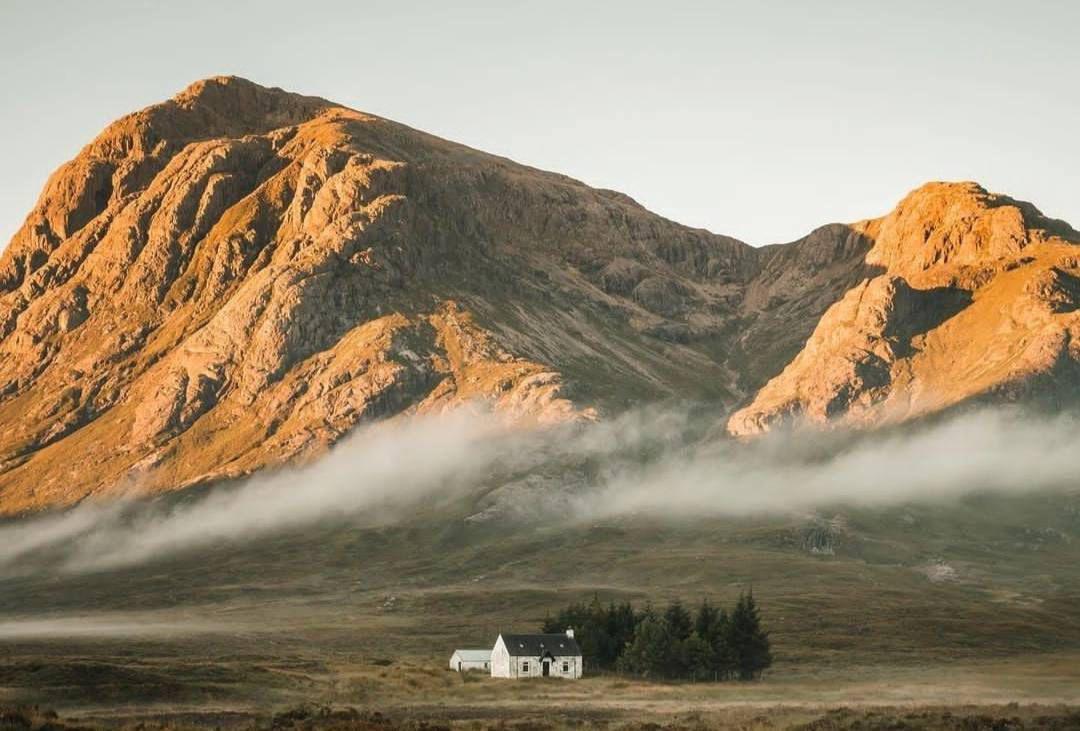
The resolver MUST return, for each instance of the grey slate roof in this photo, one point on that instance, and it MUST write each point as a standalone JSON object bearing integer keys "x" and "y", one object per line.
{"x": 473, "y": 655}
{"x": 537, "y": 645}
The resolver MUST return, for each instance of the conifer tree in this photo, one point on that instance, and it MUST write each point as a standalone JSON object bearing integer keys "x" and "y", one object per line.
{"x": 724, "y": 661}
{"x": 679, "y": 621}
{"x": 699, "y": 657}
{"x": 710, "y": 644}
{"x": 706, "y": 621}
{"x": 650, "y": 654}
{"x": 622, "y": 622}
{"x": 748, "y": 640}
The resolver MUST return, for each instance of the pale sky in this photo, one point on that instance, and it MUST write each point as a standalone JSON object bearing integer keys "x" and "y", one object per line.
{"x": 761, "y": 120}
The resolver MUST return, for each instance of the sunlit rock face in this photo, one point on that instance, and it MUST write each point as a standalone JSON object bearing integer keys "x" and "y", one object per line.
{"x": 236, "y": 278}
{"x": 976, "y": 296}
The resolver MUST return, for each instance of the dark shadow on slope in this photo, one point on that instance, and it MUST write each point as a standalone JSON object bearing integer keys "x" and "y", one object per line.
{"x": 794, "y": 286}
{"x": 918, "y": 311}
{"x": 1036, "y": 219}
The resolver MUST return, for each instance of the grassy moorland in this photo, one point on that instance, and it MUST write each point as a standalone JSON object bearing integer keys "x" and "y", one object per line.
{"x": 921, "y": 609}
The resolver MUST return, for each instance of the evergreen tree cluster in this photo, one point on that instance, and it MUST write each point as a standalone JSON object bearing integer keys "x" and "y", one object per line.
{"x": 709, "y": 644}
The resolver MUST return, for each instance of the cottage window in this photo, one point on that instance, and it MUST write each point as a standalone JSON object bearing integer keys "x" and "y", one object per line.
{"x": 524, "y": 667}
{"x": 566, "y": 667}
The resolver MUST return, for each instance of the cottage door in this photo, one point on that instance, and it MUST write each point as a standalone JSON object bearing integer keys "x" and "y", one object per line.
{"x": 547, "y": 668}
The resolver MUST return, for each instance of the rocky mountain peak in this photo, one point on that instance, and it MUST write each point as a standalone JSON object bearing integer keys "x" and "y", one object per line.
{"x": 237, "y": 277}
{"x": 941, "y": 229}
{"x": 969, "y": 295}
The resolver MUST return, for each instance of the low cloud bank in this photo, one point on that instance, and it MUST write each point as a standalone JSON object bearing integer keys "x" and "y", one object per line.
{"x": 378, "y": 469}
{"x": 105, "y": 626}
{"x": 1000, "y": 451}
{"x": 643, "y": 463}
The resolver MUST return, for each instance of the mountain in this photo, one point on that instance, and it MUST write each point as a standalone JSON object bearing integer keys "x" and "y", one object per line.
{"x": 974, "y": 296}
{"x": 235, "y": 278}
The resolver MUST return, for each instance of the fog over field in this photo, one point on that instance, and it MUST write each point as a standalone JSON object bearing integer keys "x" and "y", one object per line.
{"x": 649, "y": 465}
{"x": 127, "y": 625}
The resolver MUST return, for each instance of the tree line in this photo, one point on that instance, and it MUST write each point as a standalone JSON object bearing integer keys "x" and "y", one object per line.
{"x": 709, "y": 644}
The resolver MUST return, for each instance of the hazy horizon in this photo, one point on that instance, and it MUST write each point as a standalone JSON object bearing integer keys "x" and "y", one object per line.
{"x": 759, "y": 122}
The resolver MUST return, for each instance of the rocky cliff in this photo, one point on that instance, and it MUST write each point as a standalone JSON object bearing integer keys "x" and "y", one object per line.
{"x": 976, "y": 296}
{"x": 237, "y": 277}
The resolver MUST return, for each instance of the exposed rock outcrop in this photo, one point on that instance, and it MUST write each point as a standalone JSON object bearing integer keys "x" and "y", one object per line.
{"x": 977, "y": 298}
{"x": 237, "y": 277}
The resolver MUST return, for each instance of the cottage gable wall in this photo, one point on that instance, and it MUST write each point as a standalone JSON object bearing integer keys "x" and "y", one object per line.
{"x": 512, "y": 662}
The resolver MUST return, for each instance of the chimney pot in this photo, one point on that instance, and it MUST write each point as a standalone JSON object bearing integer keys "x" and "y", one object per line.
{"x": 570, "y": 633}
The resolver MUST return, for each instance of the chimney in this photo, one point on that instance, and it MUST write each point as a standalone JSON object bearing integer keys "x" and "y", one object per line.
{"x": 570, "y": 632}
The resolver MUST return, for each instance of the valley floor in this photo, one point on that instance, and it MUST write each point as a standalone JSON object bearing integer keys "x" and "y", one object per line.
{"x": 963, "y": 616}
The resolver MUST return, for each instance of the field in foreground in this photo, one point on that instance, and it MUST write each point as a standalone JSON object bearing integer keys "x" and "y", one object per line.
{"x": 314, "y": 718}
{"x": 412, "y": 694}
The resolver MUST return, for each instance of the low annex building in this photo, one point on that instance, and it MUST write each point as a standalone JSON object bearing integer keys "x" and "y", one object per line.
{"x": 463, "y": 660}
{"x": 536, "y": 656}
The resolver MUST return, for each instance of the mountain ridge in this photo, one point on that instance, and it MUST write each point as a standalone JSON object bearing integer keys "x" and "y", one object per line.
{"x": 988, "y": 292}
{"x": 235, "y": 278}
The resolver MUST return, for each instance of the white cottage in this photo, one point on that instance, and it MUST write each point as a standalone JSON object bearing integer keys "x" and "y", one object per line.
{"x": 463, "y": 660}
{"x": 536, "y": 656}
